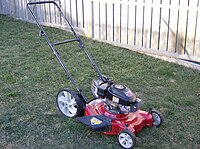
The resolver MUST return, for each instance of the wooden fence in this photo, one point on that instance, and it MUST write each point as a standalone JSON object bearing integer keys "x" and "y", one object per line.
{"x": 159, "y": 27}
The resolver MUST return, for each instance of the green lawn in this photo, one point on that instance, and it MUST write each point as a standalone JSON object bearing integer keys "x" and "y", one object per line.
{"x": 30, "y": 78}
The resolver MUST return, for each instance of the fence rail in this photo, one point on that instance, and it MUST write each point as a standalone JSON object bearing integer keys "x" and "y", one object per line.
{"x": 168, "y": 27}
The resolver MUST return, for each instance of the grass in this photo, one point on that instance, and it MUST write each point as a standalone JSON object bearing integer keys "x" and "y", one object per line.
{"x": 31, "y": 77}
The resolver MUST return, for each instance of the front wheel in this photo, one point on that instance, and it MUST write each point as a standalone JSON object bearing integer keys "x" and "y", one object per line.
{"x": 157, "y": 118}
{"x": 69, "y": 103}
{"x": 127, "y": 139}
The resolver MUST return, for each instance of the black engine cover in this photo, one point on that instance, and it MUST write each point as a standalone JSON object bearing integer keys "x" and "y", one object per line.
{"x": 121, "y": 94}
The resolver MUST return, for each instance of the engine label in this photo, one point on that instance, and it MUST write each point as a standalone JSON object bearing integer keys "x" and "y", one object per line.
{"x": 115, "y": 99}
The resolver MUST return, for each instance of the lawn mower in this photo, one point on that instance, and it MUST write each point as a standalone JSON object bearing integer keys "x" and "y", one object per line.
{"x": 114, "y": 110}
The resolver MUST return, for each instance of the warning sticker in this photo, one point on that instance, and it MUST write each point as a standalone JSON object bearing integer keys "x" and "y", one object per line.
{"x": 95, "y": 121}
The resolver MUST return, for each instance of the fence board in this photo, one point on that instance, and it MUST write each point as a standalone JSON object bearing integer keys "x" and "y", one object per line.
{"x": 197, "y": 37}
{"x": 109, "y": 21}
{"x": 1, "y": 11}
{"x": 155, "y": 25}
{"x": 172, "y": 27}
{"x": 47, "y": 13}
{"x": 67, "y": 8}
{"x": 73, "y": 12}
{"x": 139, "y": 19}
{"x": 124, "y": 31}
{"x": 181, "y": 29}
{"x": 88, "y": 17}
{"x": 80, "y": 13}
{"x": 164, "y": 25}
{"x": 191, "y": 28}
{"x": 103, "y": 21}
{"x": 117, "y": 22}
{"x": 146, "y": 24}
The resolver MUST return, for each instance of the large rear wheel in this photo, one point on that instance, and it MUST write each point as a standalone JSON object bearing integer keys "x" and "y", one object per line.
{"x": 69, "y": 103}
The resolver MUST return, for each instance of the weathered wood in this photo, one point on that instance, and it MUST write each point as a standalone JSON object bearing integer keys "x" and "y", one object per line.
{"x": 117, "y": 23}
{"x": 124, "y": 31}
{"x": 88, "y": 18}
{"x": 103, "y": 21}
{"x": 80, "y": 13}
{"x": 155, "y": 25}
{"x": 191, "y": 28}
{"x": 95, "y": 11}
{"x": 163, "y": 25}
{"x": 170, "y": 57}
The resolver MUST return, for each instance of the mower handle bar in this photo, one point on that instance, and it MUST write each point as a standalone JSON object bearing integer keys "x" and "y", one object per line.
{"x": 65, "y": 41}
{"x": 52, "y": 46}
{"x": 42, "y": 2}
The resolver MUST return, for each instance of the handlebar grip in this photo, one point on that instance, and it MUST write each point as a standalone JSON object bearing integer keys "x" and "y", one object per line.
{"x": 41, "y": 2}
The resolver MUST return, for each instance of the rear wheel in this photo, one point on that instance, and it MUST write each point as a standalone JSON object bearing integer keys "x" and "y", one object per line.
{"x": 157, "y": 118}
{"x": 69, "y": 103}
{"x": 127, "y": 139}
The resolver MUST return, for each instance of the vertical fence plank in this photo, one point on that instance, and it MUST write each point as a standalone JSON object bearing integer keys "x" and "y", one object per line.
{"x": 58, "y": 14}
{"x": 67, "y": 9}
{"x": 22, "y": 10}
{"x": 124, "y": 22}
{"x": 53, "y": 14}
{"x": 143, "y": 22}
{"x": 181, "y": 28}
{"x": 131, "y": 18}
{"x": 73, "y": 12}
{"x": 139, "y": 23}
{"x": 12, "y": 8}
{"x": 25, "y": 10}
{"x": 168, "y": 26}
{"x": 177, "y": 28}
{"x": 109, "y": 21}
{"x": 151, "y": 23}
{"x": 17, "y": 9}
{"x": 127, "y": 24}
{"x": 4, "y": 7}
{"x": 196, "y": 42}
{"x": 191, "y": 28}
{"x": 173, "y": 13}
{"x": 1, "y": 11}
{"x": 96, "y": 19}
{"x": 39, "y": 12}
{"x": 159, "y": 29}
{"x": 197, "y": 36}
{"x": 7, "y": 6}
{"x": 164, "y": 25}
{"x": 48, "y": 13}
{"x": 45, "y": 13}
{"x": 42, "y": 13}
{"x": 186, "y": 31}
{"x": 80, "y": 13}
{"x": 146, "y": 23}
{"x": 155, "y": 24}
{"x": 88, "y": 17}
{"x": 117, "y": 22}
{"x": 92, "y": 13}
{"x": 103, "y": 20}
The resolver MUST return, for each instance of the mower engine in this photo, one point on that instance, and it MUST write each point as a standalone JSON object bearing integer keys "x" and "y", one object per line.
{"x": 119, "y": 99}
